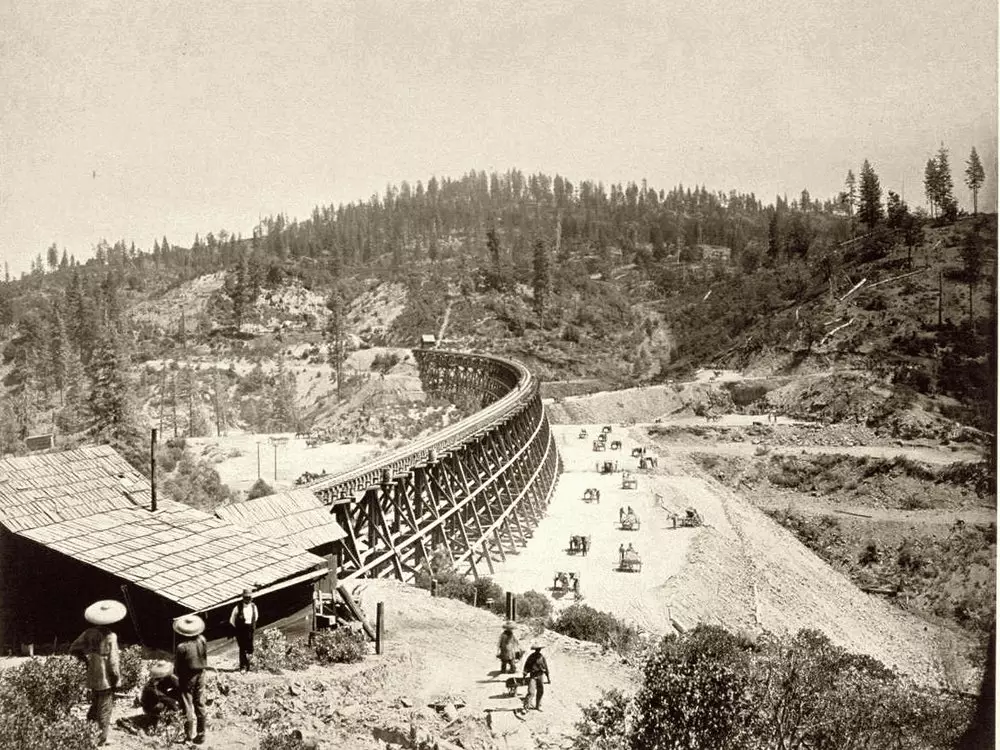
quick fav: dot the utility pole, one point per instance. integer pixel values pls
(258, 459)
(218, 411)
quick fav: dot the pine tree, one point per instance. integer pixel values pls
(931, 185)
(335, 336)
(946, 200)
(110, 403)
(53, 256)
(283, 410)
(542, 281)
(58, 353)
(237, 287)
(974, 177)
(870, 198)
(851, 192)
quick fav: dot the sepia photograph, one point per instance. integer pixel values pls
(498, 375)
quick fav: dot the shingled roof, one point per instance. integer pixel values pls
(92, 506)
(297, 518)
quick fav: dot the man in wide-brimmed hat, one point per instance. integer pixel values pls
(161, 693)
(97, 647)
(508, 650)
(190, 662)
(244, 622)
(535, 668)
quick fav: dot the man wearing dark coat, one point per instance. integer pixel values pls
(535, 668)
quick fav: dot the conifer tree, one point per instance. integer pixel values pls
(931, 183)
(335, 336)
(110, 401)
(542, 280)
(974, 177)
(870, 198)
(945, 198)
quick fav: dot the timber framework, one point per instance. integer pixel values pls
(474, 491)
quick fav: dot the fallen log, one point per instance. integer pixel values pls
(852, 513)
(823, 341)
(356, 612)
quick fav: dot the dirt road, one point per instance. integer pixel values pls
(741, 570)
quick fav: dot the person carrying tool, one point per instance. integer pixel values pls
(161, 693)
(535, 668)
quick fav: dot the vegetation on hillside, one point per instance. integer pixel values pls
(712, 689)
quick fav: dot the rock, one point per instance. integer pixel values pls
(294, 689)
(406, 703)
(449, 712)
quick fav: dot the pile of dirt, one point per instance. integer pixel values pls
(794, 435)
(647, 404)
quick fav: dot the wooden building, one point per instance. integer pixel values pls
(76, 526)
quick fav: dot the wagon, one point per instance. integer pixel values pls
(616, 445)
(608, 467)
(591, 495)
(583, 434)
(631, 562)
(606, 429)
(599, 446)
(691, 517)
(636, 452)
(579, 544)
(630, 522)
(629, 482)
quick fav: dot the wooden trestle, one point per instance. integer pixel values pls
(475, 490)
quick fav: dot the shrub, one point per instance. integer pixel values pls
(47, 686)
(384, 361)
(533, 604)
(132, 668)
(341, 646)
(588, 624)
(273, 652)
(489, 591)
(605, 724)
(260, 488)
(35, 699)
(282, 740)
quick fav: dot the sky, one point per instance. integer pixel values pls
(136, 120)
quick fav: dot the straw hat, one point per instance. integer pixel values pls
(537, 648)
(104, 612)
(247, 593)
(508, 625)
(160, 669)
(189, 625)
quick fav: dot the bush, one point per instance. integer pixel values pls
(273, 653)
(35, 699)
(489, 591)
(282, 740)
(712, 689)
(48, 687)
(260, 488)
(588, 624)
(341, 646)
(533, 604)
(132, 668)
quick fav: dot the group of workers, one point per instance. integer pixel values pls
(171, 686)
(535, 670)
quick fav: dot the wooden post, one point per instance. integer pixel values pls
(337, 562)
(509, 606)
(475, 597)
(434, 587)
(513, 607)
(940, 296)
(379, 627)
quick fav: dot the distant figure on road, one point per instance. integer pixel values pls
(621, 515)
(621, 553)
(630, 511)
(97, 648)
(508, 649)
(628, 549)
(535, 668)
(598, 497)
(244, 621)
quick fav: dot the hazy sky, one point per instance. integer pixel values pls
(203, 116)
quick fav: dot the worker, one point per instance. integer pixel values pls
(621, 515)
(535, 668)
(630, 511)
(161, 693)
(508, 649)
(630, 548)
(97, 648)
(244, 621)
(621, 553)
(190, 662)
(598, 497)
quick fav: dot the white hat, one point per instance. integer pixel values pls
(104, 612)
(189, 625)
(160, 669)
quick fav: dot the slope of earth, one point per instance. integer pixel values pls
(741, 570)
(436, 650)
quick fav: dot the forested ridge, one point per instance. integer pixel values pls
(624, 283)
